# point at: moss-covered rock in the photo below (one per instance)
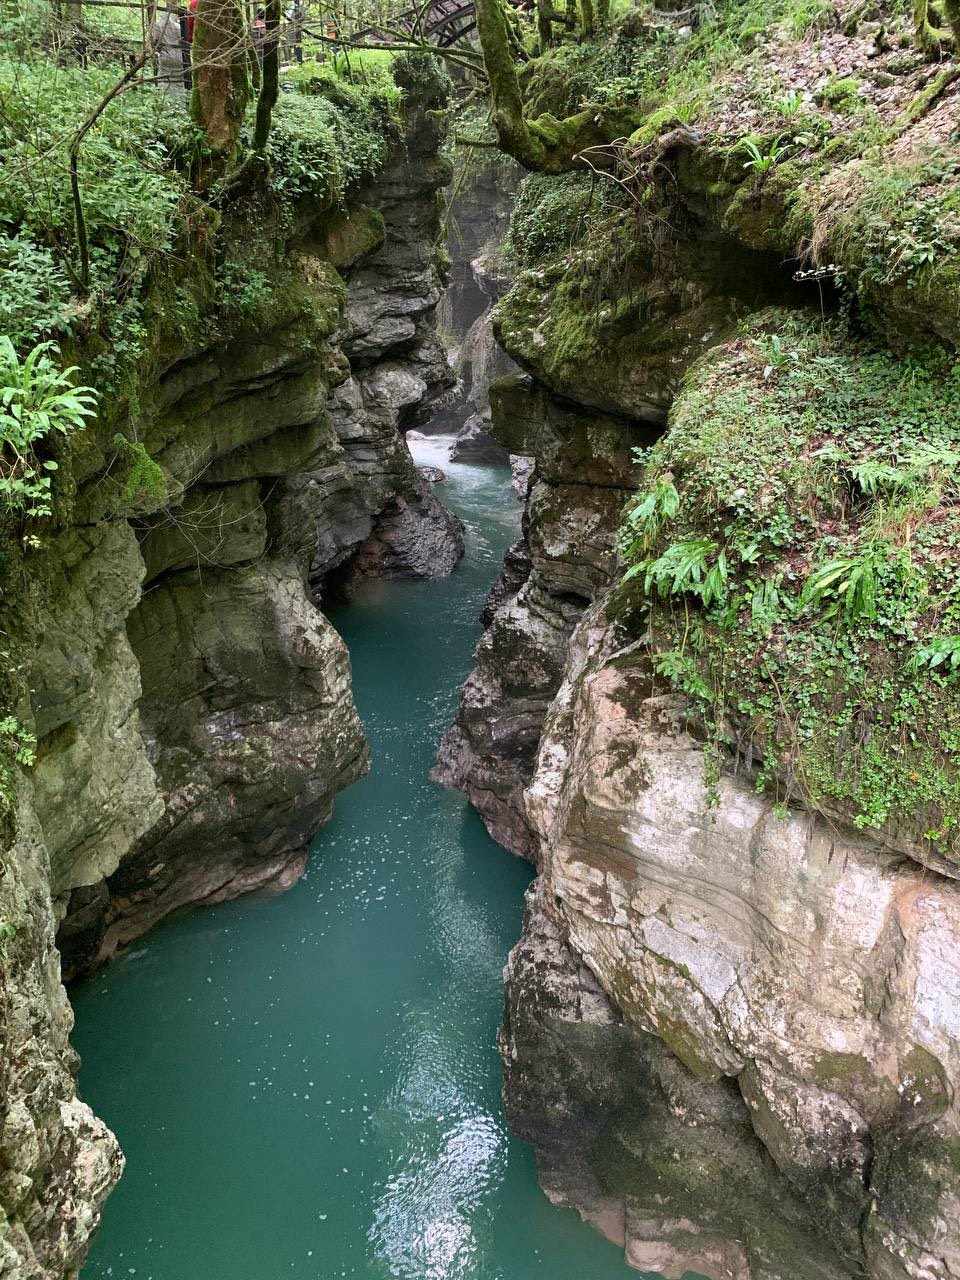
(825, 646)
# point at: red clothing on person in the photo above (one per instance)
(191, 20)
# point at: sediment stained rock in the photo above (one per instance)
(814, 967)
(663, 1163)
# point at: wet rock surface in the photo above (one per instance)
(191, 702)
(58, 1161)
(565, 559)
(806, 964)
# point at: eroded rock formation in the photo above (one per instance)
(478, 220)
(730, 1028)
(754, 1015)
(191, 702)
(578, 490)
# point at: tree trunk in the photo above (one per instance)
(545, 145)
(506, 101)
(221, 85)
(544, 24)
(952, 10)
(930, 39)
(270, 82)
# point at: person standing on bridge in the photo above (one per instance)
(296, 16)
(258, 32)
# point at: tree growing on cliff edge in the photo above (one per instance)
(545, 144)
(270, 81)
(221, 79)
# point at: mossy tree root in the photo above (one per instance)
(546, 144)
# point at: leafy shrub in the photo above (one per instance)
(424, 77)
(134, 197)
(37, 398)
(328, 138)
(17, 747)
(7, 931)
(35, 298)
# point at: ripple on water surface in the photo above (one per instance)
(307, 1087)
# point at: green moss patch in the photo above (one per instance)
(796, 546)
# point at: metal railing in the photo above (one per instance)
(444, 23)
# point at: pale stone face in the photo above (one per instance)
(816, 967)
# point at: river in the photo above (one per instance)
(307, 1087)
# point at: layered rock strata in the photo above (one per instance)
(245, 707)
(730, 1030)
(656, 1158)
(583, 475)
(191, 703)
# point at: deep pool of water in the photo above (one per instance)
(307, 1087)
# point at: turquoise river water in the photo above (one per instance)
(307, 1087)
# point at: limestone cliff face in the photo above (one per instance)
(812, 966)
(730, 1034)
(583, 475)
(191, 702)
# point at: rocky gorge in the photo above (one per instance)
(192, 705)
(714, 700)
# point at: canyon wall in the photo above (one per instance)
(192, 704)
(481, 200)
(730, 1028)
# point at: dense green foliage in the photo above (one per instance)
(331, 136)
(826, 175)
(37, 400)
(797, 546)
(552, 214)
(143, 217)
(137, 200)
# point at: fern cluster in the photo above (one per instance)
(796, 553)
